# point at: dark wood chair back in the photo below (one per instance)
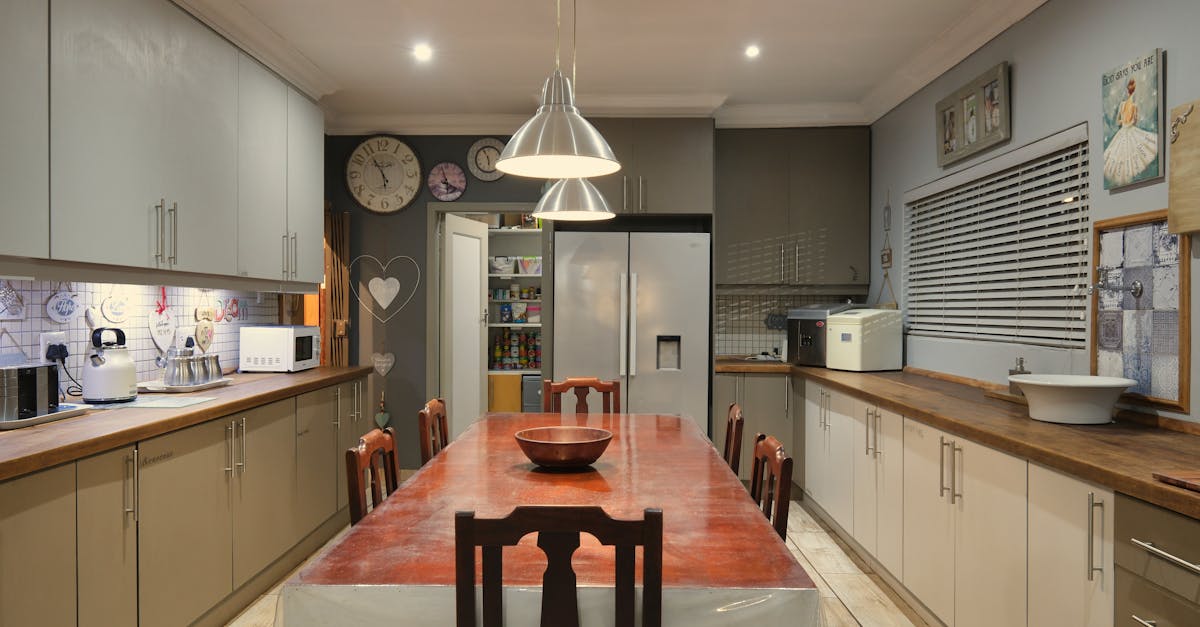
(771, 481)
(610, 392)
(733, 437)
(375, 455)
(558, 528)
(434, 432)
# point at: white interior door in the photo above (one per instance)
(464, 329)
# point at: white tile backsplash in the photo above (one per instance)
(142, 300)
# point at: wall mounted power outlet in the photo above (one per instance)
(48, 339)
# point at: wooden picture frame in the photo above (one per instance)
(1148, 327)
(974, 118)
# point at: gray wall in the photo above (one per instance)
(384, 237)
(1057, 54)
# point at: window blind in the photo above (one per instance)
(1003, 257)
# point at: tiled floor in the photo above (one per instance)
(851, 594)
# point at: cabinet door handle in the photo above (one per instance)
(174, 213)
(782, 265)
(796, 275)
(126, 489)
(787, 397)
(641, 194)
(955, 449)
(624, 194)
(878, 420)
(942, 443)
(158, 226)
(337, 415)
(243, 464)
(295, 255)
(285, 256)
(229, 446)
(1142, 621)
(1161, 554)
(867, 432)
(1091, 548)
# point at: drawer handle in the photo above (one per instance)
(1142, 621)
(1159, 553)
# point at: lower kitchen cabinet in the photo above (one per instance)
(264, 487)
(1156, 552)
(316, 474)
(185, 530)
(765, 400)
(37, 549)
(351, 425)
(965, 535)
(107, 553)
(1070, 551)
(829, 452)
(879, 483)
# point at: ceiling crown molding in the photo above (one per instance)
(775, 116)
(425, 124)
(648, 105)
(945, 51)
(245, 30)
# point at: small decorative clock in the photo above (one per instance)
(447, 181)
(482, 157)
(383, 174)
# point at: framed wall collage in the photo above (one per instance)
(975, 117)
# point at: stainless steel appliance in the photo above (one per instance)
(806, 333)
(28, 391)
(636, 307)
(109, 373)
(279, 348)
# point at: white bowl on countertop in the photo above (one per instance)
(1073, 399)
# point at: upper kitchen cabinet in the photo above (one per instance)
(25, 101)
(666, 165)
(829, 212)
(262, 171)
(143, 137)
(305, 189)
(793, 206)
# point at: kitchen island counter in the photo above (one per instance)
(30, 449)
(1122, 455)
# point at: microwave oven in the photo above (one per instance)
(279, 348)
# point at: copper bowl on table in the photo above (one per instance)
(563, 447)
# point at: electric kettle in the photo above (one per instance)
(109, 373)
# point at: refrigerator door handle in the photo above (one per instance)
(633, 315)
(624, 315)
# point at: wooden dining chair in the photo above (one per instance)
(433, 429)
(558, 528)
(375, 455)
(733, 437)
(610, 392)
(771, 481)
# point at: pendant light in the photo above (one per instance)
(557, 142)
(573, 199)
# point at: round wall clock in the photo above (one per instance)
(383, 174)
(447, 181)
(482, 157)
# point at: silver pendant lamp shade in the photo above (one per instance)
(573, 199)
(557, 143)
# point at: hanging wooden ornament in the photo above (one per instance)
(63, 305)
(115, 306)
(205, 332)
(12, 306)
(161, 323)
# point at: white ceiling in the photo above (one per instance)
(827, 62)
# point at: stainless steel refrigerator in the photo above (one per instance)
(635, 307)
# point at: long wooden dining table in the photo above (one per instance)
(723, 563)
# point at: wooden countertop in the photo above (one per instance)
(734, 365)
(30, 449)
(1122, 456)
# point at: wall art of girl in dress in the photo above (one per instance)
(1132, 128)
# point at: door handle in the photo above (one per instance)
(867, 432)
(1091, 549)
(174, 213)
(641, 194)
(158, 226)
(229, 446)
(127, 490)
(787, 397)
(295, 254)
(796, 272)
(878, 417)
(1161, 554)
(624, 194)
(624, 323)
(942, 443)
(955, 449)
(782, 265)
(1142, 621)
(285, 256)
(633, 307)
(243, 464)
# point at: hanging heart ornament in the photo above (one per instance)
(385, 290)
(161, 323)
(205, 332)
(383, 362)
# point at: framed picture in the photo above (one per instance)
(974, 118)
(1131, 100)
(1183, 170)
(1141, 308)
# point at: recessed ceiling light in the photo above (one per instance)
(423, 52)
(752, 51)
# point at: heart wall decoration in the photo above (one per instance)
(385, 289)
(383, 362)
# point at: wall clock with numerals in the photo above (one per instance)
(482, 157)
(383, 174)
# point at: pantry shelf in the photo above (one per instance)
(515, 325)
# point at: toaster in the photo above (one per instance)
(28, 391)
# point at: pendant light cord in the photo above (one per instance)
(574, 41)
(557, 33)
